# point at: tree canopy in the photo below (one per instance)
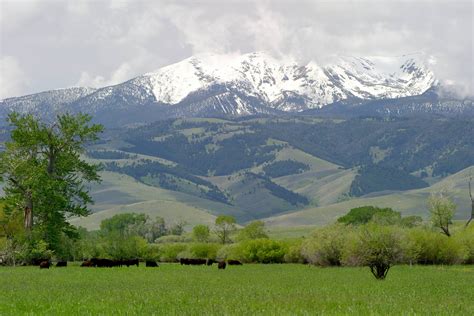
(45, 175)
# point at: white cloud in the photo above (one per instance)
(106, 41)
(13, 80)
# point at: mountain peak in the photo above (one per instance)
(244, 84)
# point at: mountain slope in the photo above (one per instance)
(413, 202)
(119, 193)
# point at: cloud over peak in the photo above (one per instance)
(105, 42)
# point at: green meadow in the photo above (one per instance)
(279, 289)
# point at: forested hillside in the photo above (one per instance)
(261, 167)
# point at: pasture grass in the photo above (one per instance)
(287, 289)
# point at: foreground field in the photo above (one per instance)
(250, 289)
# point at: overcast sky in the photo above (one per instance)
(53, 44)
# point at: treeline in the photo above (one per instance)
(281, 192)
(376, 178)
(238, 152)
(284, 167)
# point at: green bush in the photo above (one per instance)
(172, 239)
(152, 252)
(204, 250)
(293, 253)
(378, 247)
(122, 247)
(35, 249)
(466, 237)
(435, 248)
(324, 247)
(230, 251)
(263, 251)
(169, 252)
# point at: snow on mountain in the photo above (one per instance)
(241, 85)
(261, 75)
(52, 100)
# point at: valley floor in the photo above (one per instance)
(285, 289)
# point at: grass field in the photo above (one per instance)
(239, 290)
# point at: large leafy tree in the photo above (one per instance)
(44, 174)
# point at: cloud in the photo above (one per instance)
(12, 78)
(121, 74)
(103, 42)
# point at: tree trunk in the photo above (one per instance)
(28, 219)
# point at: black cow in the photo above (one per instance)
(209, 262)
(221, 265)
(130, 262)
(37, 262)
(102, 263)
(61, 264)
(151, 264)
(45, 264)
(87, 263)
(197, 262)
(234, 262)
(191, 261)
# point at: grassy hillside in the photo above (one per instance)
(321, 187)
(120, 193)
(253, 194)
(411, 202)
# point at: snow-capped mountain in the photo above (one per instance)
(274, 80)
(255, 83)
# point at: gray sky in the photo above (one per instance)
(53, 44)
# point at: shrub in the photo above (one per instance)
(204, 250)
(293, 253)
(230, 251)
(172, 239)
(152, 252)
(466, 238)
(263, 251)
(34, 250)
(325, 245)
(169, 252)
(120, 247)
(378, 247)
(435, 248)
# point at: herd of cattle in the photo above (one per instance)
(108, 263)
